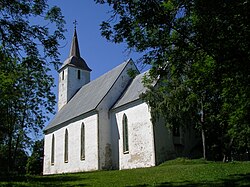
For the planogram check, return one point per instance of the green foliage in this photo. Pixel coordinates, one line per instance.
(27, 52)
(199, 53)
(3, 158)
(180, 172)
(20, 161)
(34, 164)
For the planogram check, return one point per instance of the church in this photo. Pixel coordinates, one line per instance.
(104, 124)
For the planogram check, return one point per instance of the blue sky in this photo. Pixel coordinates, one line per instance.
(100, 55)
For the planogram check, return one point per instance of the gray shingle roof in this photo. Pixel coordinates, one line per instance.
(133, 92)
(88, 97)
(76, 62)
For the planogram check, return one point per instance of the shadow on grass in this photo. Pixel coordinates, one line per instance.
(81, 180)
(53, 180)
(231, 181)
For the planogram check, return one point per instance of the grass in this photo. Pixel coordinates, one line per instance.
(179, 172)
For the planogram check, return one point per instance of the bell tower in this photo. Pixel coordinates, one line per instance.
(73, 74)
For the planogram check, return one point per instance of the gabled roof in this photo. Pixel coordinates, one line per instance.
(88, 97)
(133, 91)
(75, 59)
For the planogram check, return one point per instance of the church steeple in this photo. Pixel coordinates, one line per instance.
(74, 51)
(73, 74)
(74, 58)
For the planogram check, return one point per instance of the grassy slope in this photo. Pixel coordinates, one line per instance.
(179, 172)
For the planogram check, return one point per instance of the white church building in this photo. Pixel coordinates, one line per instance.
(104, 124)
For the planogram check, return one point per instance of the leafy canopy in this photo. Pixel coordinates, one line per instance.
(30, 32)
(199, 53)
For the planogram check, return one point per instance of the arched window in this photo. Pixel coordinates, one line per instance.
(82, 156)
(79, 74)
(53, 150)
(125, 133)
(177, 135)
(66, 146)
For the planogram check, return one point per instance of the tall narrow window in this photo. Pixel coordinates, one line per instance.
(125, 133)
(66, 146)
(79, 74)
(53, 150)
(82, 142)
(177, 135)
(63, 75)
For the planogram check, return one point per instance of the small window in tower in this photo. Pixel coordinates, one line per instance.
(79, 74)
(63, 75)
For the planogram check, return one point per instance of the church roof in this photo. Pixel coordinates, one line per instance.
(88, 97)
(74, 58)
(133, 91)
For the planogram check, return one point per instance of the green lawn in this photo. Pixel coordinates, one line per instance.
(179, 172)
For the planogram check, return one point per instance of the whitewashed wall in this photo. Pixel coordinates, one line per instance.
(70, 84)
(105, 144)
(62, 88)
(74, 84)
(140, 137)
(75, 164)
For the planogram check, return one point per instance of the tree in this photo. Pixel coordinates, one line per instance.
(35, 161)
(28, 51)
(199, 52)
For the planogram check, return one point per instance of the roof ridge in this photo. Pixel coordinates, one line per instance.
(125, 62)
(88, 97)
(129, 95)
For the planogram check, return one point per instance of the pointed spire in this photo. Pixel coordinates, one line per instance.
(74, 58)
(74, 51)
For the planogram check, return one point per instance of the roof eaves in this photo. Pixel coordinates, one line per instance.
(67, 121)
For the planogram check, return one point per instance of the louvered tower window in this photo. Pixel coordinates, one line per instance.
(79, 74)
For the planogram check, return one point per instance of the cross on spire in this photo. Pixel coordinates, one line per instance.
(75, 23)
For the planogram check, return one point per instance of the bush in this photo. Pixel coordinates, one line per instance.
(34, 164)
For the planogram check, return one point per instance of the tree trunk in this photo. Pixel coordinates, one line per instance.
(224, 158)
(203, 132)
(248, 155)
(9, 153)
(15, 150)
(203, 142)
(10, 136)
(227, 154)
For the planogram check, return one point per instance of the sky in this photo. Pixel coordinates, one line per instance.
(100, 55)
